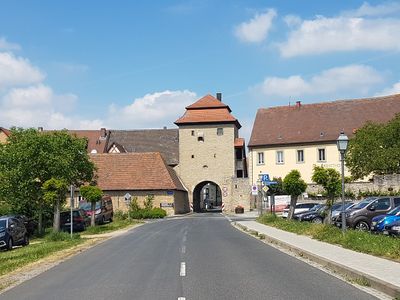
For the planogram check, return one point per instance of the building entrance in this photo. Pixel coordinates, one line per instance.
(207, 197)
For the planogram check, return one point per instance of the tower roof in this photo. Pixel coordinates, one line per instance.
(207, 110)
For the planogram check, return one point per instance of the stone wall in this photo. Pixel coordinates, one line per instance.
(241, 194)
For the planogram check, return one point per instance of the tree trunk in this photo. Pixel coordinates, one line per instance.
(293, 202)
(56, 220)
(40, 220)
(328, 212)
(92, 220)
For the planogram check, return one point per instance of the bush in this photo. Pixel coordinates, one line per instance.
(148, 202)
(61, 236)
(120, 215)
(144, 213)
(5, 208)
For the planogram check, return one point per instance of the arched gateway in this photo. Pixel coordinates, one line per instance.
(207, 197)
(212, 157)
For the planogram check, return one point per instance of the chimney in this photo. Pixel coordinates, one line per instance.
(298, 104)
(103, 133)
(219, 96)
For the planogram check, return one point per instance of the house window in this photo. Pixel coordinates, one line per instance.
(321, 154)
(279, 157)
(220, 131)
(260, 158)
(192, 132)
(300, 156)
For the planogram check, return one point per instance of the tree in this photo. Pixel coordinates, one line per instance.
(375, 149)
(294, 186)
(91, 194)
(54, 192)
(276, 189)
(330, 180)
(30, 158)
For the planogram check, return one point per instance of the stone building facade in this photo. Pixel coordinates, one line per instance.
(212, 154)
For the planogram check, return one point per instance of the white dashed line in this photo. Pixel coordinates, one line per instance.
(181, 298)
(183, 269)
(184, 238)
(183, 249)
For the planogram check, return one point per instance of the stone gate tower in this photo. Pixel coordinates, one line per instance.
(212, 158)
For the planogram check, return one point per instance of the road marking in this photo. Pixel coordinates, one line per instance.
(181, 298)
(183, 269)
(183, 249)
(184, 238)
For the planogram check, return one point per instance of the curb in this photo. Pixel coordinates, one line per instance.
(350, 273)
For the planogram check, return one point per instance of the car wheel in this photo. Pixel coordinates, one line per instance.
(26, 240)
(317, 220)
(362, 226)
(10, 244)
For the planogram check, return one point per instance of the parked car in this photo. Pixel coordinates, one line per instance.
(313, 214)
(360, 215)
(12, 232)
(30, 224)
(336, 212)
(379, 222)
(103, 210)
(79, 217)
(392, 229)
(300, 207)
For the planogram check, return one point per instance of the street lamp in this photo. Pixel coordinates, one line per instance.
(342, 143)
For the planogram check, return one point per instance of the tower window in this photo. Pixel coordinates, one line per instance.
(192, 156)
(200, 139)
(220, 131)
(192, 132)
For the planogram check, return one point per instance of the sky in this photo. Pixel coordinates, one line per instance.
(137, 64)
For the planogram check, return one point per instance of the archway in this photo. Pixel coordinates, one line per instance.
(207, 197)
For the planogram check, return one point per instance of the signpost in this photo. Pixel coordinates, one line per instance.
(72, 207)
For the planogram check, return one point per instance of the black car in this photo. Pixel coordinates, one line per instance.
(80, 221)
(392, 229)
(12, 232)
(314, 215)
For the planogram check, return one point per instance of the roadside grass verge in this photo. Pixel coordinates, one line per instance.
(21, 256)
(115, 225)
(364, 242)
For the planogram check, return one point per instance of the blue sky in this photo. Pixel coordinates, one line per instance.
(125, 64)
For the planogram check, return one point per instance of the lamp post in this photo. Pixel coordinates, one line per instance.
(342, 143)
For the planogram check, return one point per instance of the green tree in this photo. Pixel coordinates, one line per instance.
(91, 194)
(276, 189)
(30, 158)
(375, 149)
(54, 192)
(293, 185)
(330, 180)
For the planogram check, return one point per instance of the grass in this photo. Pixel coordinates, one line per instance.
(115, 225)
(364, 242)
(19, 257)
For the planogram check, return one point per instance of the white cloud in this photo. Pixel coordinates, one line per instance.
(256, 30)
(367, 10)
(360, 29)
(394, 89)
(5, 45)
(17, 71)
(349, 79)
(152, 110)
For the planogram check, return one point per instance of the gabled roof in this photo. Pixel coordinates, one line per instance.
(319, 122)
(6, 131)
(239, 142)
(135, 171)
(207, 110)
(165, 141)
(97, 139)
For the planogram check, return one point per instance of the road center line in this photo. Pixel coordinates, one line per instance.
(181, 298)
(183, 249)
(183, 269)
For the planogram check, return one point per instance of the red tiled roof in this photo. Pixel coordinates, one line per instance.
(6, 131)
(95, 141)
(134, 171)
(208, 101)
(207, 110)
(319, 122)
(239, 142)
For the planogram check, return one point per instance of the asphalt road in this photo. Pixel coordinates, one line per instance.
(196, 257)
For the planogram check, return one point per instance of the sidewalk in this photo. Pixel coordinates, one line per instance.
(383, 274)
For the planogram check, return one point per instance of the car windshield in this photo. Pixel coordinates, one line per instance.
(2, 224)
(363, 203)
(316, 207)
(88, 205)
(394, 211)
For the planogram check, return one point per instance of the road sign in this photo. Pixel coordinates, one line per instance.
(254, 190)
(265, 188)
(265, 178)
